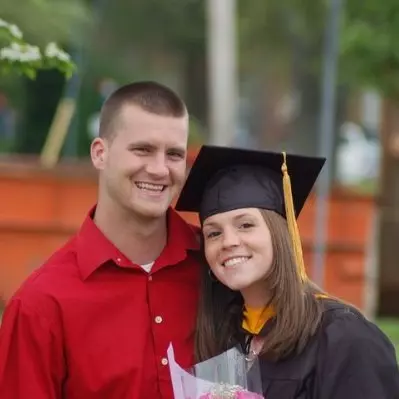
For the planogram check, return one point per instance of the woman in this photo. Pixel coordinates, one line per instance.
(255, 290)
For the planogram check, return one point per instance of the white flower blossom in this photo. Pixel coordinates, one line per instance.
(3, 24)
(13, 29)
(17, 52)
(53, 51)
(7, 53)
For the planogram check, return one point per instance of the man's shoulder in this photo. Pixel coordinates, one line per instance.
(48, 281)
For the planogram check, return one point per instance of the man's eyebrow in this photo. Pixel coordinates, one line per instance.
(141, 144)
(180, 150)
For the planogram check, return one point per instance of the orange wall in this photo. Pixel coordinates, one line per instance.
(41, 209)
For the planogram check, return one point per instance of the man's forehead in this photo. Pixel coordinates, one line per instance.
(159, 142)
(133, 126)
(133, 114)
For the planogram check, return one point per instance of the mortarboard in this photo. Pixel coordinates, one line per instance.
(222, 179)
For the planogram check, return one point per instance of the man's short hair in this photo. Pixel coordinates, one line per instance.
(150, 96)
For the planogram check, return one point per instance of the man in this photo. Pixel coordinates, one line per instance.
(96, 319)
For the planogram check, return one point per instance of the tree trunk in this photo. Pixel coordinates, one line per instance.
(389, 211)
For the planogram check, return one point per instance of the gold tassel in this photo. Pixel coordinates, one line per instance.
(291, 221)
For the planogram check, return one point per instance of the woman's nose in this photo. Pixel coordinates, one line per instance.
(230, 239)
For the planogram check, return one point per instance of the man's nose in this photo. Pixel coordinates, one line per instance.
(157, 166)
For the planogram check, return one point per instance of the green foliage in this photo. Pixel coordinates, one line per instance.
(62, 21)
(33, 84)
(369, 55)
(16, 55)
(369, 50)
(270, 32)
(166, 40)
(178, 24)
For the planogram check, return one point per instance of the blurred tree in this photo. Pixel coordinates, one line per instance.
(370, 54)
(281, 47)
(371, 59)
(281, 32)
(148, 39)
(283, 40)
(280, 53)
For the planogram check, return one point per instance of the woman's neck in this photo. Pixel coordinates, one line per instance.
(254, 319)
(256, 296)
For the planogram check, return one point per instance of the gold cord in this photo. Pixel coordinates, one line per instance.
(291, 221)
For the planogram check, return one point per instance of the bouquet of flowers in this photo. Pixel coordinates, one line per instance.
(230, 391)
(227, 376)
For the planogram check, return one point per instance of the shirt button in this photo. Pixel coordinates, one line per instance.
(158, 319)
(149, 278)
(119, 260)
(164, 361)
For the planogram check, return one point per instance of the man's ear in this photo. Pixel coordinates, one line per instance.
(98, 153)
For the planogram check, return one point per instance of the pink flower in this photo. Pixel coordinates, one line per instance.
(248, 395)
(238, 395)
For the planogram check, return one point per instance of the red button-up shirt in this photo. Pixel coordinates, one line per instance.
(89, 324)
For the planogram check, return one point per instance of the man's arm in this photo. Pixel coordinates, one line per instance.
(31, 354)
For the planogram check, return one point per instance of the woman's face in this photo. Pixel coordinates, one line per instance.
(238, 248)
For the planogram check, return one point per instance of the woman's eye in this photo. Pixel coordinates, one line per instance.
(246, 225)
(212, 234)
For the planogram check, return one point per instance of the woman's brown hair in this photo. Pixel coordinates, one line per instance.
(298, 310)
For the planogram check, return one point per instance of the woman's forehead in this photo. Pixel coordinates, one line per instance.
(232, 215)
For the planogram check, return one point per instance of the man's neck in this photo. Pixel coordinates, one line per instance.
(142, 241)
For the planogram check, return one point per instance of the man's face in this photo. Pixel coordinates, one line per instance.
(143, 166)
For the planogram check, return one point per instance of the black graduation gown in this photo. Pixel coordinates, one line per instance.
(349, 358)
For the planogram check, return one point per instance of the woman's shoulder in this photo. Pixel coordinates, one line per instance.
(345, 327)
(336, 310)
(355, 359)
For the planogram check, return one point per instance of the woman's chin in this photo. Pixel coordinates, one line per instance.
(236, 286)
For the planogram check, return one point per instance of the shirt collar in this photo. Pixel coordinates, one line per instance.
(94, 249)
(182, 237)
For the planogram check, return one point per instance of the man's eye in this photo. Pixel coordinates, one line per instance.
(175, 154)
(212, 234)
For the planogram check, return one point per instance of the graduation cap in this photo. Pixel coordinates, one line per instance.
(223, 179)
